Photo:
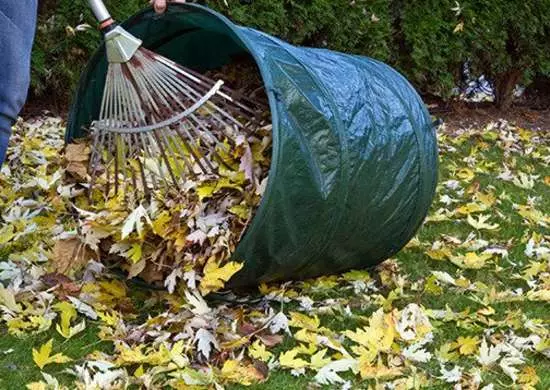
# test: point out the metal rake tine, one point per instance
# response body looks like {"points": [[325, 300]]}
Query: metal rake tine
{"points": [[173, 154], [95, 159], [141, 168], [165, 157], [158, 91], [195, 153], [147, 152], [131, 158], [157, 157], [227, 93]]}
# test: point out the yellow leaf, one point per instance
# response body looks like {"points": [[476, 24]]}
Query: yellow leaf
{"points": [[471, 208], [138, 373], [7, 299], [6, 234], [67, 313], [533, 215], [134, 253], [42, 356], [205, 190], [306, 336], [299, 320], [467, 345], [439, 254], [528, 376], [235, 371], [481, 223], [310, 349], [445, 352], [379, 371], [432, 287], [288, 359], [241, 211], [471, 260], [215, 276], [160, 224], [357, 275], [540, 295], [459, 27], [318, 360], [547, 180], [378, 336], [487, 199], [465, 174], [37, 386], [257, 351]]}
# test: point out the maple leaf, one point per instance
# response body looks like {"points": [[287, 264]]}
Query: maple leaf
{"points": [[278, 323], [416, 353], [67, 313], [471, 260], [451, 376], [533, 215], [488, 355], [198, 304], [318, 360], [288, 359], [471, 208], [378, 371], [215, 276], [467, 345], [257, 351], [508, 363], [412, 323], [328, 374], [237, 372], [528, 376], [299, 320], [480, 223], [43, 357], [205, 341], [133, 222], [7, 299], [465, 174]]}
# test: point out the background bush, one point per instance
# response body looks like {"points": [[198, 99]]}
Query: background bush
{"points": [[427, 40]]}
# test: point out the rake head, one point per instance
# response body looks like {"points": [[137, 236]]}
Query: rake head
{"points": [[161, 123]]}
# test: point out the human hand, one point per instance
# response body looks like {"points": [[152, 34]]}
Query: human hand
{"points": [[160, 5]]}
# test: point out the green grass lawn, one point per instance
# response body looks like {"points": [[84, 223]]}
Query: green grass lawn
{"points": [[484, 301]]}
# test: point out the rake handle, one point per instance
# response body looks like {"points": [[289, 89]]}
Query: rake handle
{"points": [[101, 13]]}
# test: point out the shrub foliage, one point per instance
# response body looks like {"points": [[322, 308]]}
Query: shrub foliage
{"points": [[427, 40]]}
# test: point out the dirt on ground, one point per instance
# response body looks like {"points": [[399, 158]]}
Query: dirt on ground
{"points": [[460, 115]]}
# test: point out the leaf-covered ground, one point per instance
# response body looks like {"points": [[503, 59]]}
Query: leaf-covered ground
{"points": [[466, 304]]}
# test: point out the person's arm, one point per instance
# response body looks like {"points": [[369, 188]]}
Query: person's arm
{"points": [[160, 5]]}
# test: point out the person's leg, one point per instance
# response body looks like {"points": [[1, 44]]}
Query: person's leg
{"points": [[17, 27]]}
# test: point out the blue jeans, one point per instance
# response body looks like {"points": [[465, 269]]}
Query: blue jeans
{"points": [[17, 27]]}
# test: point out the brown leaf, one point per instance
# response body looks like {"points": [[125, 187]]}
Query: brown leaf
{"points": [[246, 328], [262, 369], [151, 273], [270, 340], [65, 285], [70, 255], [77, 152], [78, 168]]}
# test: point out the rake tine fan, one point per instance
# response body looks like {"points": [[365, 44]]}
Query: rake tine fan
{"points": [[159, 123]]}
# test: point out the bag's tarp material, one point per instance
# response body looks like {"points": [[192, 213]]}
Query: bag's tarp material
{"points": [[354, 163]]}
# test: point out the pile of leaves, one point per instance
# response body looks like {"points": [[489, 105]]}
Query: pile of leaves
{"points": [[171, 235], [463, 306]]}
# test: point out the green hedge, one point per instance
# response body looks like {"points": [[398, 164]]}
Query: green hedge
{"points": [[427, 40]]}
